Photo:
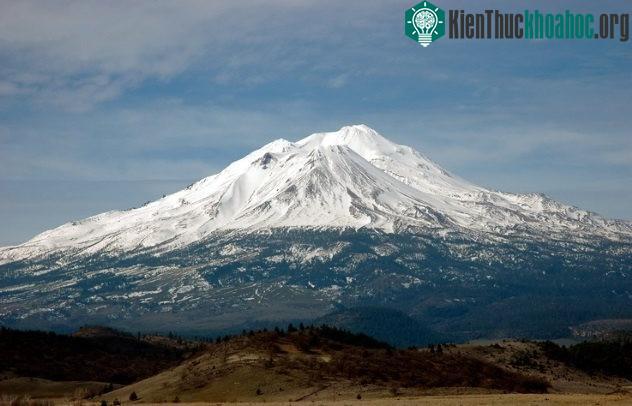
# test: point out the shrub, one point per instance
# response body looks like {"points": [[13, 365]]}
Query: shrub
{"points": [[524, 358]]}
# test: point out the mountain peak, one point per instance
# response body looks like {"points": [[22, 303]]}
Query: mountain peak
{"points": [[361, 138], [358, 129]]}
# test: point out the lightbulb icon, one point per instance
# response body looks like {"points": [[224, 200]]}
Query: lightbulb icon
{"points": [[424, 22]]}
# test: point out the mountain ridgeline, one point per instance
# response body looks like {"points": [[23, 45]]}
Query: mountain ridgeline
{"points": [[343, 220]]}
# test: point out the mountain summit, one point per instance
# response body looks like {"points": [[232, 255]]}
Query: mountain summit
{"points": [[351, 178]]}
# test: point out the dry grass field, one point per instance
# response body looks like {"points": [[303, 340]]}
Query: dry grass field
{"points": [[438, 400], [466, 400]]}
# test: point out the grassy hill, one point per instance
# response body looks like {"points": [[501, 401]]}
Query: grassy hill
{"points": [[313, 363], [320, 364]]}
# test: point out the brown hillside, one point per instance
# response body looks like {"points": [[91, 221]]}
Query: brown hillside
{"points": [[305, 364]]}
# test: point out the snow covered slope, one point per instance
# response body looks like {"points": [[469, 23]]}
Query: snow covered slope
{"points": [[351, 178]]}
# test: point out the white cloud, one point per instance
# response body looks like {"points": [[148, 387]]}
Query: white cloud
{"points": [[74, 54], [338, 81]]}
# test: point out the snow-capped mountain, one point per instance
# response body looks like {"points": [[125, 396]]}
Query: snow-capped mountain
{"points": [[352, 178], [295, 230]]}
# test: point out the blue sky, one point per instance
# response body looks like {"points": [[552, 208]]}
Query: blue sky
{"points": [[106, 105]]}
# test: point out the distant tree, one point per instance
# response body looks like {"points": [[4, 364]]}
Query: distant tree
{"points": [[176, 399], [116, 402], [359, 397], [104, 403], [439, 349], [291, 328], [301, 326], [133, 396], [313, 341], [259, 392]]}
